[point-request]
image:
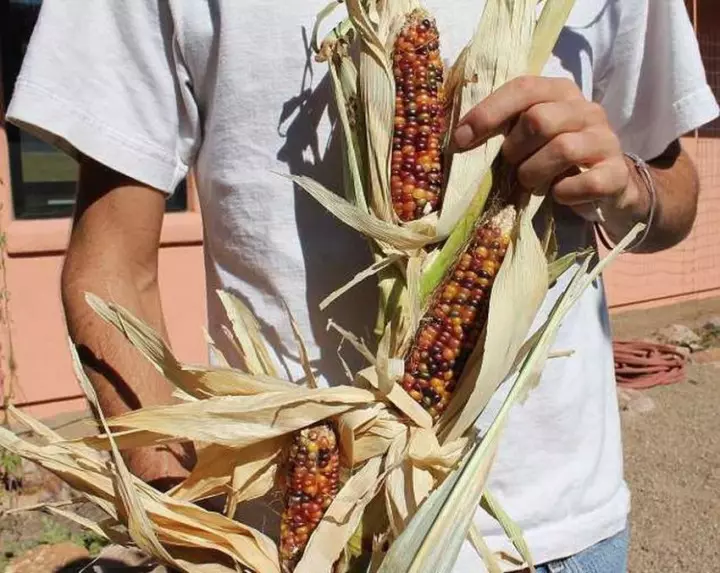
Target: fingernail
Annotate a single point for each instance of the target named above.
(463, 136)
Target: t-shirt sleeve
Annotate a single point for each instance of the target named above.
(653, 85)
(106, 79)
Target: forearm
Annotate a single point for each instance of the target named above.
(113, 253)
(122, 377)
(677, 186)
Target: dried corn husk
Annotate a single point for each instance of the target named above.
(188, 537)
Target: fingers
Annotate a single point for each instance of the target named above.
(551, 131)
(495, 113)
(605, 180)
(543, 122)
(567, 150)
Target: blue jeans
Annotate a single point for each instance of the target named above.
(608, 556)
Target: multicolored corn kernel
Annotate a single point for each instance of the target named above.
(456, 316)
(312, 482)
(416, 173)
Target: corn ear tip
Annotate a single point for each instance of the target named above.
(505, 219)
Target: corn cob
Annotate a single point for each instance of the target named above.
(313, 481)
(416, 175)
(452, 325)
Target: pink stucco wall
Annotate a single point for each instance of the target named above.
(44, 370)
(690, 270)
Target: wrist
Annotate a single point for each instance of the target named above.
(634, 204)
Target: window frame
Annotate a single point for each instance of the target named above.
(37, 236)
(27, 196)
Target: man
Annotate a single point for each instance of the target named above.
(228, 88)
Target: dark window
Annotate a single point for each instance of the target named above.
(709, 42)
(42, 177)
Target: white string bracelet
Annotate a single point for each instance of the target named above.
(643, 171)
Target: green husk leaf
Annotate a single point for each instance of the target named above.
(554, 15)
(549, 241)
(511, 529)
(488, 557)
(434, 273)
(558, 267)
(320, 18)
(415, 303)
(388, 369)
(392, 290)
(430, 543)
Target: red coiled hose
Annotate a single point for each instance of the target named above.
(640, 365)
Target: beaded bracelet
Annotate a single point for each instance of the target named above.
(644, 171)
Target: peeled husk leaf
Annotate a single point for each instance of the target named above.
(200, 381)
(416, 462)
(372, 427)
(399, 398)
(247, 473)
(244, 468)
(195, 539)
(498, 53)
(449, 510)
(494, 509)
(367, 430)
(247, 331)
(342, 517)
(519, 290)
(486, 554)
(236, 421)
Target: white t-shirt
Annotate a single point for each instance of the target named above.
(230, 88)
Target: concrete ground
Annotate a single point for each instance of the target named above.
(672, 455)
(672, 460)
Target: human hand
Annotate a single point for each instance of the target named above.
(163, 467)
(559, 141)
